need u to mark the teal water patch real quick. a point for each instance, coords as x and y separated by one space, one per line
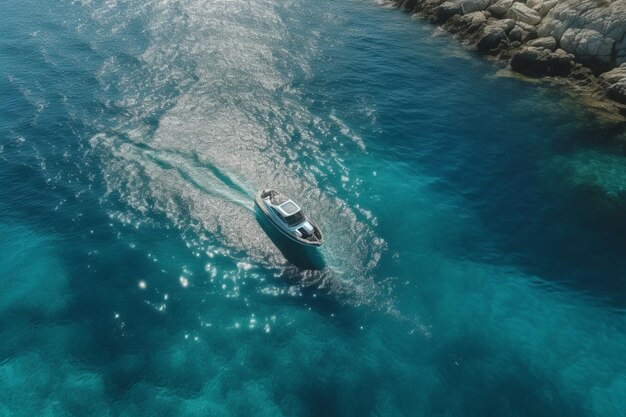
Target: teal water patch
37 373
592 169
34 279
44 383
515 334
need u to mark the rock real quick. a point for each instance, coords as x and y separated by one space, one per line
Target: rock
409 4
529 36
493 33
523 13
617 92
475 18
587 44
491 38
547 42
620 43
446 10
500 8
536 62
526 26
474 21
528 31
466 24
615 75
616 80
582 75
469 6
544 7
516 34
506 24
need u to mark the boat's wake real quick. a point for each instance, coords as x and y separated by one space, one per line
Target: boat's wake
218 210
236 125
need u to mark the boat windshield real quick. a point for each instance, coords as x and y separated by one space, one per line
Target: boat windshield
295 219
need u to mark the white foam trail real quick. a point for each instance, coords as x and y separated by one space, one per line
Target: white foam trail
235 125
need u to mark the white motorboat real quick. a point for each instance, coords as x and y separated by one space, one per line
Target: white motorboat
288 218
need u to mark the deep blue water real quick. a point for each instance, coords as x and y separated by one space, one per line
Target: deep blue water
475 262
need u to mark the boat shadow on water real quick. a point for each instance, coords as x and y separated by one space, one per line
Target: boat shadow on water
300 256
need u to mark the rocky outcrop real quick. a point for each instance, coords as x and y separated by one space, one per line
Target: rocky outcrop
616 83
581 40
534 61
592 30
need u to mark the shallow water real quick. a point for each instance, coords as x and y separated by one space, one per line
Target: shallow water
475 229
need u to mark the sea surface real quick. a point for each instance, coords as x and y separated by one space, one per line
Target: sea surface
475 222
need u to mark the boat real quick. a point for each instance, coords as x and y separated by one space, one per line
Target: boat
288 218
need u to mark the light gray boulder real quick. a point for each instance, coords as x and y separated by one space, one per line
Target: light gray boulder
547 42
616 80
500 8
505 24
475 18
522 13
541 6
615 75
525 26
587 44
544 7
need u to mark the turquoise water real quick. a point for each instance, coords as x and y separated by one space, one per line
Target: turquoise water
475 223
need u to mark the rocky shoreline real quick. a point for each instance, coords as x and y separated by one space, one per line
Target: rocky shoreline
582 42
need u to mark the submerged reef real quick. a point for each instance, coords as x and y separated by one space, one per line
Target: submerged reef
581 41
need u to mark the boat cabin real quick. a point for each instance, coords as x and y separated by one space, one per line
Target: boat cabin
289 212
